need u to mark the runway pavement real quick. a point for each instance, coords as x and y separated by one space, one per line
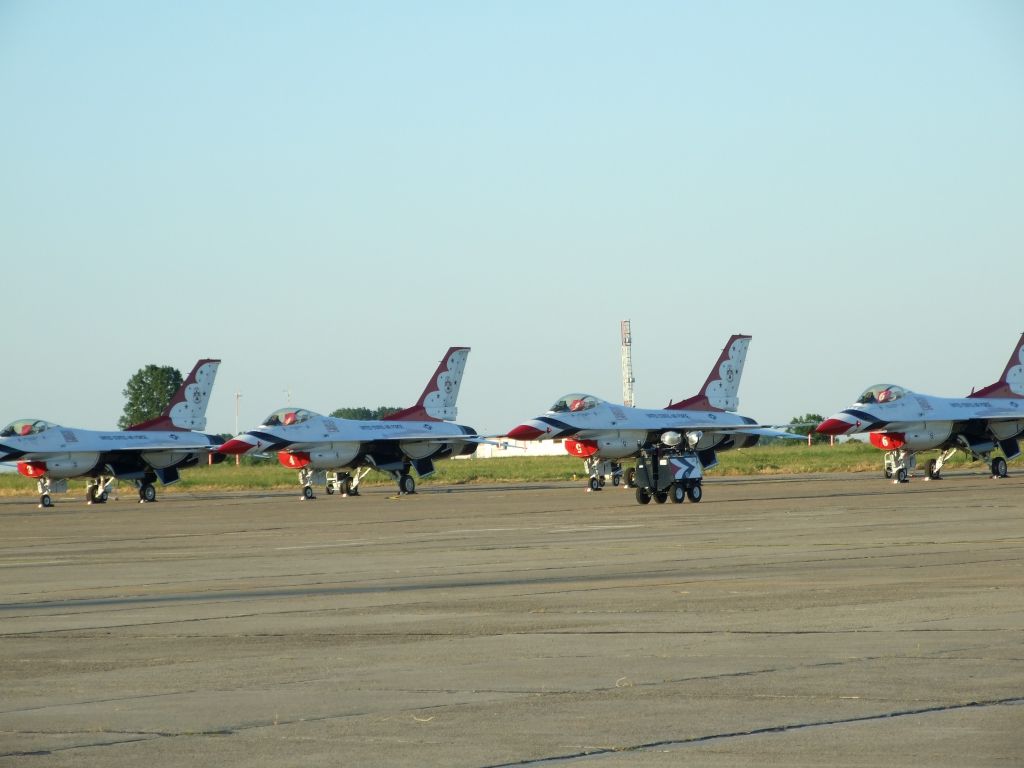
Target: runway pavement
840 621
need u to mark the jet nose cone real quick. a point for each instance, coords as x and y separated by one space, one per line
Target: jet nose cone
524 432
833 426
234 446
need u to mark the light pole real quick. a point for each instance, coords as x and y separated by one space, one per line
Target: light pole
238 396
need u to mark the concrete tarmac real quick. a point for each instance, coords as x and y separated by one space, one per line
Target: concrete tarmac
810 621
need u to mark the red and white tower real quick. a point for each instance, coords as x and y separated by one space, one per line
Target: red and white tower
627 365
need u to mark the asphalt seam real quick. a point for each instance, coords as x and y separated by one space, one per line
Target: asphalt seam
767 730
550 760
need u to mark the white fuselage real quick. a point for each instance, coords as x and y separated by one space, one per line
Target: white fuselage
61 452
611 431
325 442
921 422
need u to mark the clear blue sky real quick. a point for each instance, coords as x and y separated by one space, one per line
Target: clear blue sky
328 195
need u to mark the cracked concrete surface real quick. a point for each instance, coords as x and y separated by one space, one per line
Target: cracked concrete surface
785 621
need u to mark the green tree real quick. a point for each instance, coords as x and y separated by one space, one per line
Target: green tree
804 425
364 414
148 392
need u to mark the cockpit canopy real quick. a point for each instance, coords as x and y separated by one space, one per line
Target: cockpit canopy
881 393
574 403
285 417
23 427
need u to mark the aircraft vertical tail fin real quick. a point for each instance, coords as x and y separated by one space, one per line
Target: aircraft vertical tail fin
720 390
187 408
437 403
1011 383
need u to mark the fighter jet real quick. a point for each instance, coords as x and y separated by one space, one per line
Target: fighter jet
684 437
902 423
321 447
152 450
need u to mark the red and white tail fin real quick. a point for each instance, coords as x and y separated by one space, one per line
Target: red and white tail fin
187 409
437 403
1011 383
720 391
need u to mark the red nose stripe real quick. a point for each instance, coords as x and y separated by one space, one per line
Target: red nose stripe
234 446
524 432
833 427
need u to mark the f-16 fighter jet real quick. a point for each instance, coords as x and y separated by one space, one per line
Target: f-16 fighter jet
153 450
902 423
673 444
410 439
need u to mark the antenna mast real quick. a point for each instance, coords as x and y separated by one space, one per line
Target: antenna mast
627 364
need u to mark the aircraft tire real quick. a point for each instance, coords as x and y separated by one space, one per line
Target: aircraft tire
45 500
307 492
329 489
616 480
888 473
999 467
406 484
643 496
933 473
660 497
901 476
631 477
595 484
147 492
696 493
678 494
103 497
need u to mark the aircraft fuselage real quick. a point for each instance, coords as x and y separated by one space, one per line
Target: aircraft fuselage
920 422
612 431
60 453
324 442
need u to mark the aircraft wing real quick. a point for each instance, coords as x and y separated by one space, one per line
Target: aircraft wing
165 445
746 429
434 439
764 432
1001 414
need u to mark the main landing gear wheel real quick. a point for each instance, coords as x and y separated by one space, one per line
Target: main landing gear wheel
695 493
678 494
595 484
999 467
307 493
406 484
147 493
660 497
901 476
45 500
643 496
